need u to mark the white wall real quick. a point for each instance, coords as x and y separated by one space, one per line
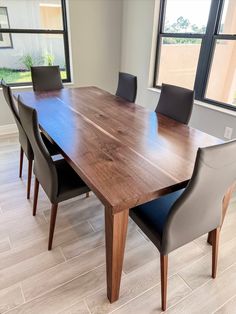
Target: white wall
95 27
139 22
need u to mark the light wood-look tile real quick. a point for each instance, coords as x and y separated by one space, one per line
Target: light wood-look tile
66 295
4 245
133 284
78 308
14 274
209 297
10 298
228 307
62 273
199 272
150 301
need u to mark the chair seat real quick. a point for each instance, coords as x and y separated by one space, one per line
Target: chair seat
151 217
69 183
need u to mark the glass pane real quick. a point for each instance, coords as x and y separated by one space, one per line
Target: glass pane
32 14
178 61
222 80
4 22
28 50
186 16
228 20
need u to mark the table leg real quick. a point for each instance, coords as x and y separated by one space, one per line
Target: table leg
116 230
225 205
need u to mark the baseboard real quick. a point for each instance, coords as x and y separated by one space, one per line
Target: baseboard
8 129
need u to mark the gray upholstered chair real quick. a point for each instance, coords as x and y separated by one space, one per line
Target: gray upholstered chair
176 103
127 87
59 181
46 78
174 220
23 139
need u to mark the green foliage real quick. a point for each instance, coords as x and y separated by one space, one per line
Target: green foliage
28 61
183 25
15 76
49 59
184 41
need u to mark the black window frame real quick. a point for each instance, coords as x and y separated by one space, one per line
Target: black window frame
63 32
206 52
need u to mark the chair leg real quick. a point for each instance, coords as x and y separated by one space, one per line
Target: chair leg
215 250
52 224
29 178
87 194
164 271
21 161
36 192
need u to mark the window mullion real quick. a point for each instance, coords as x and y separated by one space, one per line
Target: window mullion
207 49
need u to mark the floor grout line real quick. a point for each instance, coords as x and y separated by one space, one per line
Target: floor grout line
87 306
198 288
61 285
186 283
22 292
222 305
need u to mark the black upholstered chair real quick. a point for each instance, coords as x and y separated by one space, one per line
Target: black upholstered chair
178 218
23 139
59 181
46 78
127 87
176 103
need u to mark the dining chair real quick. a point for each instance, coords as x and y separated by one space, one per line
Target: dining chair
25 148
178 218
176 103
59 181
127 87
46 78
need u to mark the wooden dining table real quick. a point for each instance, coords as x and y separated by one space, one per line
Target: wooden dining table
125 153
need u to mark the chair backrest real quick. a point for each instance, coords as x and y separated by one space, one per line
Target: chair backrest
46 78
127 87
199 208
25 144
44 167
9 100
176 102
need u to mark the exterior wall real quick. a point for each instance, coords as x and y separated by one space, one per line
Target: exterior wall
179 64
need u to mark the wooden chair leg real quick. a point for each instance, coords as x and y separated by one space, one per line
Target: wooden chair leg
87 194
29 178
164 272
21 161
52 224
215 249
36 191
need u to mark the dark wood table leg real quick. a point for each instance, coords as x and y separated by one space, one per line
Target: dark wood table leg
225 205
116 230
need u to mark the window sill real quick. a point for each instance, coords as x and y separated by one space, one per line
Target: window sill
203 104
30 86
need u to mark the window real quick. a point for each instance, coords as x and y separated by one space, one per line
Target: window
32 32
5 39
196 48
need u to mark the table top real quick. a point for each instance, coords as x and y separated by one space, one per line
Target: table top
126 154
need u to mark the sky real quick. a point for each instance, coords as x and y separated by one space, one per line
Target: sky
196 11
